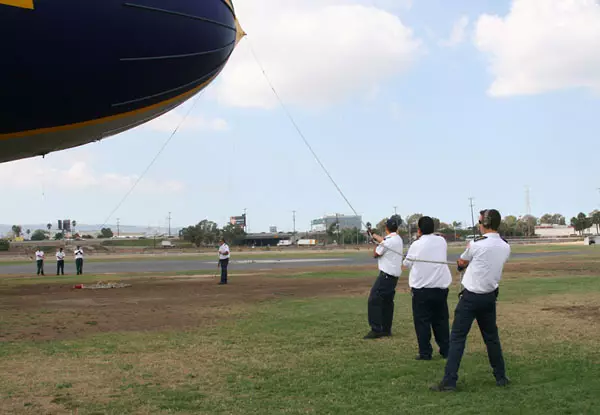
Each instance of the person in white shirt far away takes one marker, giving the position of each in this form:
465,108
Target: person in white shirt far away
484,262
79,260
388,252
39,259
224,255
429,287
60,262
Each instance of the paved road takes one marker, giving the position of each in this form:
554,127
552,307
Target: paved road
115,267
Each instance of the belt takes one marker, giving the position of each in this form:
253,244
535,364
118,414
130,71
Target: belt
464,290
386,275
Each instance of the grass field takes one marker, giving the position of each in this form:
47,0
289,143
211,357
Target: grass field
300,254
289,342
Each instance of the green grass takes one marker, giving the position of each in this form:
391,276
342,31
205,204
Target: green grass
307,356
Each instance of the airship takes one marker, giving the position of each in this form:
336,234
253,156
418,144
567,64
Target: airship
73,72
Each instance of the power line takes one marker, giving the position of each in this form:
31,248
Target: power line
166,143
289,115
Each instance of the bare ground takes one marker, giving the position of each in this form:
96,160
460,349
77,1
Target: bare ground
57,311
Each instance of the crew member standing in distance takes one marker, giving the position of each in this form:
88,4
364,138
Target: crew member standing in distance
381,299
39,258
79,260
223,260
60,262
484,262
429,286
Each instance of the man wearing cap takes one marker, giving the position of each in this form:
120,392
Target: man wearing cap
429,284
381,299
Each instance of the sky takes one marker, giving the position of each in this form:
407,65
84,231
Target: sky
413,104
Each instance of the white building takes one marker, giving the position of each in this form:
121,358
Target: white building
560,231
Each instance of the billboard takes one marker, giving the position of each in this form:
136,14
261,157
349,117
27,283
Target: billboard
238,221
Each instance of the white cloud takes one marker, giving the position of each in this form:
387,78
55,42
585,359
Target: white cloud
542,45
169,121
315,52
458,33
78,175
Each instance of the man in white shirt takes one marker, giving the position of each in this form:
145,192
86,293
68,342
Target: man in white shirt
223,260
60,262
381,299
79,260
429,286
484,262
39,258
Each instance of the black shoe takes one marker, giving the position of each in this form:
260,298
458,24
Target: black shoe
419,357
374,335
222,283
442,387
502,381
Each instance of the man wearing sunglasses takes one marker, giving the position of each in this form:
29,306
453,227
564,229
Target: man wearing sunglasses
483,261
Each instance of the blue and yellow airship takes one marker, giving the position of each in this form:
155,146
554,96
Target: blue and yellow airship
77,71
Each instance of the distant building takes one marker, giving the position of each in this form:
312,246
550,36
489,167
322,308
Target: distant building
560,231
345,222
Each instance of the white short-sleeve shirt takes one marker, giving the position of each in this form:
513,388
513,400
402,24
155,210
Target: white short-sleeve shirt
222,249
39,255
60,256
391,250
487,256
427,275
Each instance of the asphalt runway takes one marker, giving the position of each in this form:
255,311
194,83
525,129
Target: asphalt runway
179,265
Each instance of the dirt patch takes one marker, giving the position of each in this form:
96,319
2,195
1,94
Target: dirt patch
57,311
577,311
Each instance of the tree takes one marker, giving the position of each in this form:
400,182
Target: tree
526,225
581,222
59,236
234,235
553,219
414,219
206,232
509,226
28,232
16,229
49,226
596,220
38,235
106,233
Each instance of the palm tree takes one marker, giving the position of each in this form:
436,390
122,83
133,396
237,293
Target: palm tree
49,226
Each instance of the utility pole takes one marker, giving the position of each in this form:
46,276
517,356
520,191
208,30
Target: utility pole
472,216
294,219
528,208
169,219
395,210
118,227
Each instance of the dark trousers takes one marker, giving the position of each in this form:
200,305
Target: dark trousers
483,308
224,263
381,303
430,311
60,267
79,265
40,266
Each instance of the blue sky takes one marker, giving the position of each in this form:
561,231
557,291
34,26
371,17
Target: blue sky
405,104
